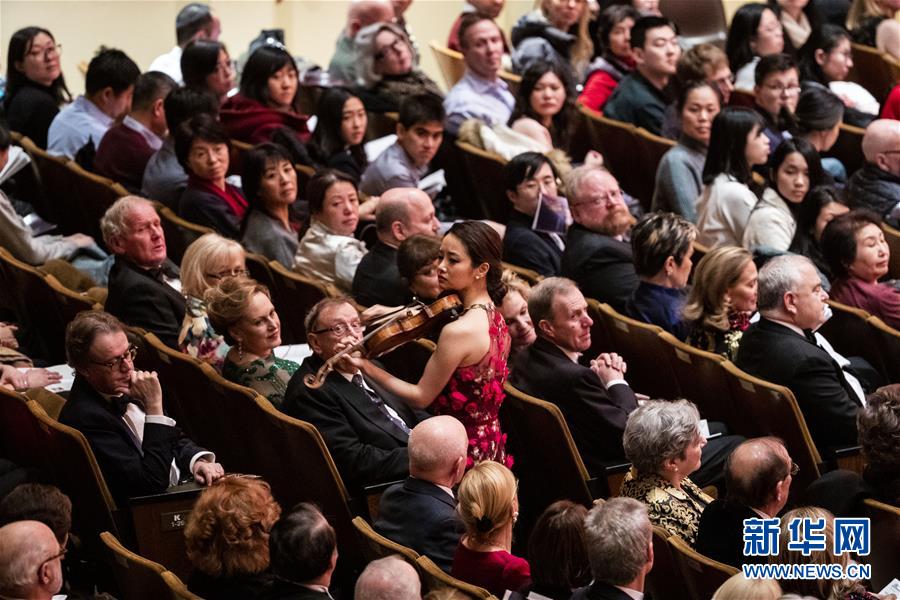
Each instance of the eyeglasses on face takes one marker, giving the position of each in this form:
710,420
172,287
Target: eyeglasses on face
116,363
46,52
395,47
340,329
227,273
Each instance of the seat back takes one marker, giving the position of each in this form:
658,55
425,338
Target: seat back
887,341
177,587
450,63
21,437
258,267
179,233
885,530
304,174
94,195
381,124
847,330
28,181
664,580
58,186
651,150
609,137
699,21
892,237
601,339
484,171
408,361
512,80
136,576
702,575
433,578
531,277
293,295
700,378
848,148
377,546
874,70
742,98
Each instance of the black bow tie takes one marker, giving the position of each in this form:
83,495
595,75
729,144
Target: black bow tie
159,273
119,405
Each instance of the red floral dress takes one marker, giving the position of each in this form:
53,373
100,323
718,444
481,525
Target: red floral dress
474,395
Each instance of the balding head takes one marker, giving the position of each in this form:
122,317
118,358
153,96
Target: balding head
363,13
881,145
758,475
29,561
402,213
389,578
437,450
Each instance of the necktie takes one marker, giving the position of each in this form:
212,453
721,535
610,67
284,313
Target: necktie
379,403
119,404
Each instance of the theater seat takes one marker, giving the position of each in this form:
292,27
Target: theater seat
701,575
433,578
377,546
137,577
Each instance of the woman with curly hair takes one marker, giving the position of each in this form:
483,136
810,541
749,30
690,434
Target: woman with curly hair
227,538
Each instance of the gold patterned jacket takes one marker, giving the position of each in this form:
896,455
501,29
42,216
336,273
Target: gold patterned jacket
676,511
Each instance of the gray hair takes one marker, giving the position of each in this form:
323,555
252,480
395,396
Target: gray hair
576,178
777,277
112,223
659,430
618,535
22,552
540,298
364,44
388,578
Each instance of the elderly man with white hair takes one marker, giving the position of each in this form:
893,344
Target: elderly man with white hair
388,578
30,561
360,14
144,285
877,185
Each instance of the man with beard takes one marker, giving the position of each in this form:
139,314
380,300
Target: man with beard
777,92
598,256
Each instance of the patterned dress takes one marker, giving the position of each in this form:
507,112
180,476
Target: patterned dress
198,338
268,376
474,395
725,343
676,511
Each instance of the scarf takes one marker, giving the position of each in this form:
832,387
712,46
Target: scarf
231,195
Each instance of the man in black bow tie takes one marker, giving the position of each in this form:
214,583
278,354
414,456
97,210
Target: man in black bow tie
120,412
144,289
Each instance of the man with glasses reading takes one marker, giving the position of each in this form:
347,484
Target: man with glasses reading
120,412
30,561
366,430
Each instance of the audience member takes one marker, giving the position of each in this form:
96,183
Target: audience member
388,578
597,256
420,513
400,214
642,96
722,300
480,94
755,32
619,540
35,86
205,65
386,69
144,289
207,261
821,206
328,252
365,429
709,63
108,86
242,310
400,8
30,561
776,94
616,59
871,23
529,177
794,169
799,19
819,115
361,13
267,104
879,424
270,186
780,348
737,144
545,109
340,130
39,502
679,176
858,256
555,32
489,507
515,312
164,178
663,441
202,148
663,244
404,163
120,412
876,185
489,9
891,107
227,538
194,21
126,147
758,476
738,587
417,262
302,554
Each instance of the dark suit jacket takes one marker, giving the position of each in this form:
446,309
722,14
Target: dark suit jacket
377,279
138,299
203,208
596,416
366,446
775,353
600,591
721,533
421,516
603,267
524,247
128,468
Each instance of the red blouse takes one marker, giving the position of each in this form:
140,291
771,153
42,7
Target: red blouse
496,571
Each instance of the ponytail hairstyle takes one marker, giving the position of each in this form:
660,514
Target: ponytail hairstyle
487,495
483,245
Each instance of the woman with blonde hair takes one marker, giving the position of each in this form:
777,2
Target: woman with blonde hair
489,507
871,23
242,310
514,308
722,300
227,537
739,587
207,261
556,31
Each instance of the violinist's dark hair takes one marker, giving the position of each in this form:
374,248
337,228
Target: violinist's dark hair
483,245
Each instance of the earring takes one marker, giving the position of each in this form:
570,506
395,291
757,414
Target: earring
240,350
515,516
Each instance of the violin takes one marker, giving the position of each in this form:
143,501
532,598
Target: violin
409,323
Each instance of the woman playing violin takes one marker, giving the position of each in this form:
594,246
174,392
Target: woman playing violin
465,375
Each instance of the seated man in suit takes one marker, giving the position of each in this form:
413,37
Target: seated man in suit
619,540
758,475
388,577
420,513
120,412
144,288
400,214
598,256
30,561
366,430
782,348
302,554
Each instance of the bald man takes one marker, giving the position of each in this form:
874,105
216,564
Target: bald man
401,213
30,561
421,512
758,476
877,185
360,14
388,578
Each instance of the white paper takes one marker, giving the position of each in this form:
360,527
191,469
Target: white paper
433,183
65,384
18,158
892,588
377,146
295,352
37,225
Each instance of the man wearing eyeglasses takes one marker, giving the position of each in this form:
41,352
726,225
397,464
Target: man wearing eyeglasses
30,561
366,430
877,185
120,412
